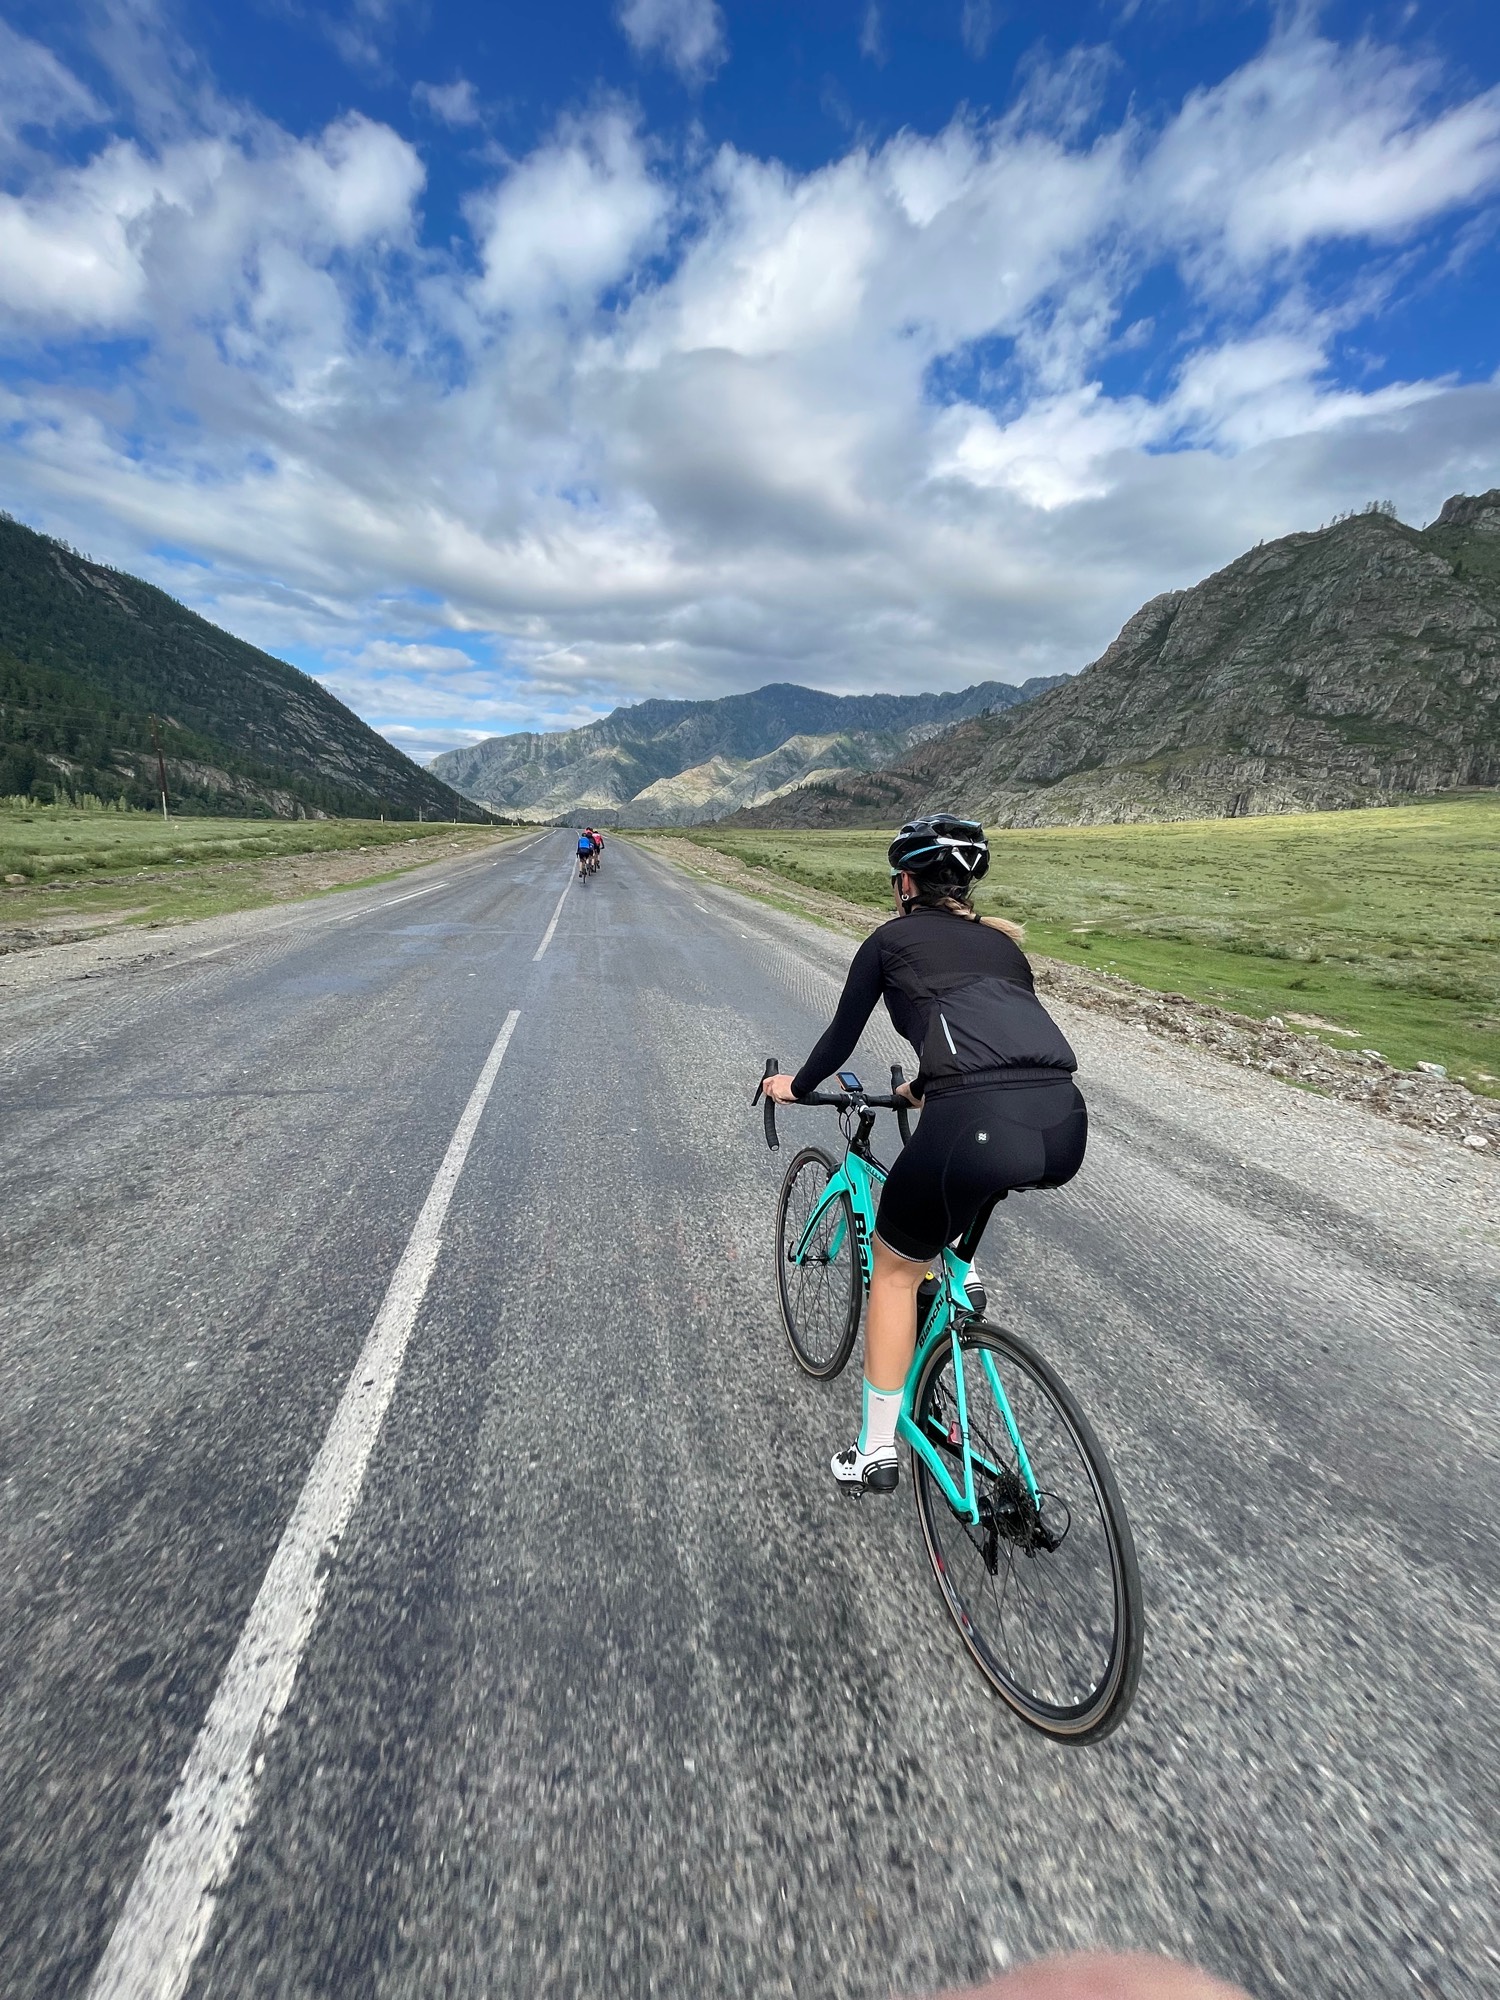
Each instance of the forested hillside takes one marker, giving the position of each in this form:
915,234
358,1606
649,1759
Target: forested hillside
90,656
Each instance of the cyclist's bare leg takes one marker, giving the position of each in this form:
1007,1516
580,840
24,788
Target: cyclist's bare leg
871,1464
891,1327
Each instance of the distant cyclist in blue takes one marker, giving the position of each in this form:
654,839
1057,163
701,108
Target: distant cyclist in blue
995,1080
585,850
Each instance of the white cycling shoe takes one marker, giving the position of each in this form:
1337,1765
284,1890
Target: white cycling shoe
855,1471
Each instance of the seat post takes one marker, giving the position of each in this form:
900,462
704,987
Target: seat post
967,1246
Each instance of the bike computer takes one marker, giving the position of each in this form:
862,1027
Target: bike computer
849,1080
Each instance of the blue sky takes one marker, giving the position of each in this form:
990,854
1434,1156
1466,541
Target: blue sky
502,364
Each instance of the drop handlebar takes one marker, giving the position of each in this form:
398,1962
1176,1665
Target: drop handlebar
840,1100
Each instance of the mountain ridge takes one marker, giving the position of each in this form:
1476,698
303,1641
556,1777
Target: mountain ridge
1335,667
662,762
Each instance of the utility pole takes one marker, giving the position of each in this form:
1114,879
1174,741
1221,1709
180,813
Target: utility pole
161,766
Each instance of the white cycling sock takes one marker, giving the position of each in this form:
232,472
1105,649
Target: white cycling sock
882,1408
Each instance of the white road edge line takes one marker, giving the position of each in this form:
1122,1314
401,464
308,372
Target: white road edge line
374,909
547,933
169,1910
299,922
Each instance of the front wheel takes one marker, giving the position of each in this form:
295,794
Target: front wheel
820,1296
1047,1597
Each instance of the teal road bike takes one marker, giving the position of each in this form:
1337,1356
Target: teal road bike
1019,1511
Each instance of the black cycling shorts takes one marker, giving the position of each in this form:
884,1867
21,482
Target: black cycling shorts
970,1147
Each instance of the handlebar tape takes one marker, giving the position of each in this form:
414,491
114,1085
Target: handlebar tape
768,1105
903,1121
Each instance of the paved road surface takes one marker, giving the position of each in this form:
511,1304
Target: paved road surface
605,1690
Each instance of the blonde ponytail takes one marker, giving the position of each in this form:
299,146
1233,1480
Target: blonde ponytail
959,906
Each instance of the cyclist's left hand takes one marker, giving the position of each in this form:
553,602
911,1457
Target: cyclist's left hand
779,1089
905,1091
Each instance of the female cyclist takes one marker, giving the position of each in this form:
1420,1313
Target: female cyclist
994,1081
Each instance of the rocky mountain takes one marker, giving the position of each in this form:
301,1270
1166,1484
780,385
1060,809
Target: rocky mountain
1345,667
674,763
91,659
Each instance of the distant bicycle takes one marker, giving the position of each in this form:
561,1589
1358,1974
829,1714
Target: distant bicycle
1020,1514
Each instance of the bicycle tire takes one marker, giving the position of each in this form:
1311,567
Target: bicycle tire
820,1299
1113,1674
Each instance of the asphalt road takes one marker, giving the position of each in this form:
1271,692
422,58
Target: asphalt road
603,1690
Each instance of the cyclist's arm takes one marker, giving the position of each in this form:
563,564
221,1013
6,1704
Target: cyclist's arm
862,989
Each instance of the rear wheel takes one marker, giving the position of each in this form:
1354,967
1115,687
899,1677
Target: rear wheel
1046,1598
820,1296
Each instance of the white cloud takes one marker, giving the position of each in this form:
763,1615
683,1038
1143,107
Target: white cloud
663,427
872,34
362,33
687,34
977,25
1061,450
567,221
1311,143
1273,386
360,179
133,237
39,92
450,103
69,251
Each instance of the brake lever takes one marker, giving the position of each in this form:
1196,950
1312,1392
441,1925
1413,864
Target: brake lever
768,1104
903,1121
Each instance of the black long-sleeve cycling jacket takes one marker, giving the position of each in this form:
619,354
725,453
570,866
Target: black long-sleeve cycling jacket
963,996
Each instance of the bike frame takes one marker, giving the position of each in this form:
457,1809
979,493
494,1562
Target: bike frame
860,1179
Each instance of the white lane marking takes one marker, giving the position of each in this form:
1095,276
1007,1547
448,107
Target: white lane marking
701,906
374,909
547,934
170,1907
197,955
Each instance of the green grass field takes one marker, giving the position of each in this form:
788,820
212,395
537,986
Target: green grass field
59,861
1385,923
